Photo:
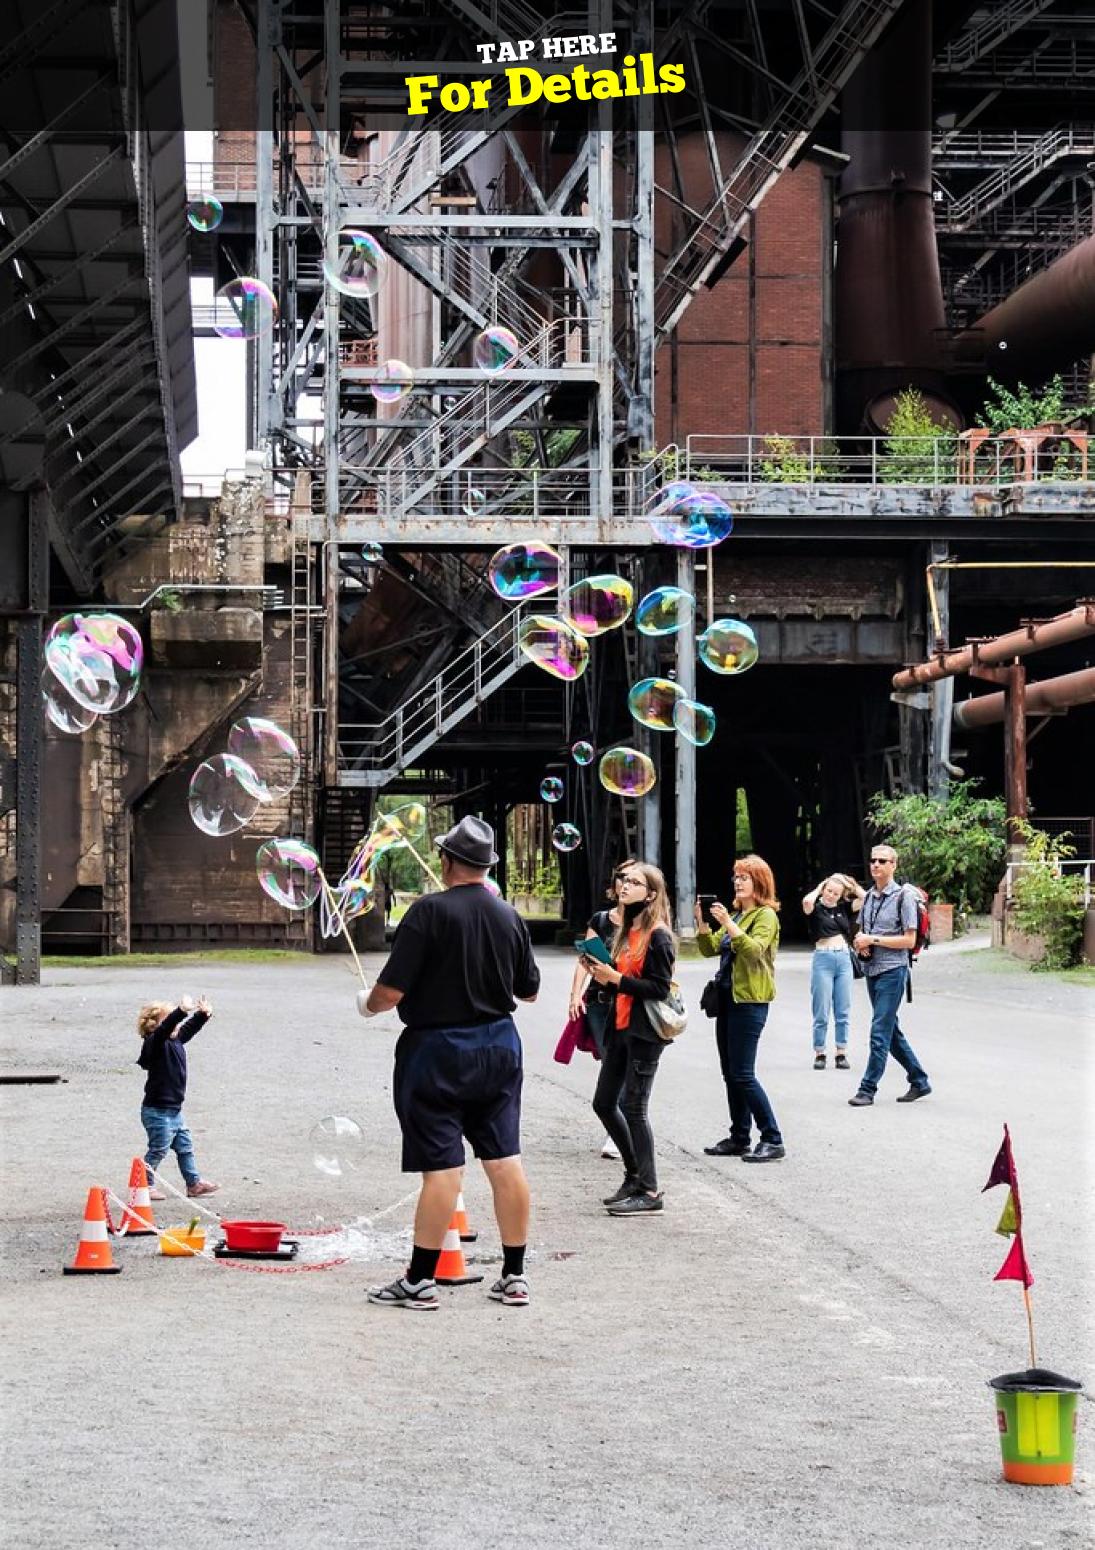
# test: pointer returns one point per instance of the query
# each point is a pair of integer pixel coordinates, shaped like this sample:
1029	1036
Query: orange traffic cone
460	1222
451	1267
137	1218
93	1256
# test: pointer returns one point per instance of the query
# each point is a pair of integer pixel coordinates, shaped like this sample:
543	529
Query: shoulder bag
668	1018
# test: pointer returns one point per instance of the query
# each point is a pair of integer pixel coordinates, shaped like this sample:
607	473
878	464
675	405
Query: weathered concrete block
214	640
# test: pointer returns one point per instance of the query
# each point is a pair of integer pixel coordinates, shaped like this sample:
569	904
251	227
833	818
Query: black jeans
629	1067
738	1028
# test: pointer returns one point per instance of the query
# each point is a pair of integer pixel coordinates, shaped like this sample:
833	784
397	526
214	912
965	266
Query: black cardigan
653	986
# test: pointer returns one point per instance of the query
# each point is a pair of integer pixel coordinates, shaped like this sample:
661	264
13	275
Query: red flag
1015	1267
1003	1172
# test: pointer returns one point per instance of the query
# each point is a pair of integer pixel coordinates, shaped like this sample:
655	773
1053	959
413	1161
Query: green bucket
1036	1417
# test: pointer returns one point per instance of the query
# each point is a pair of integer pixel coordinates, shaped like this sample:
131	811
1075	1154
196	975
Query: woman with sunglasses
643	951
597	1002
746	942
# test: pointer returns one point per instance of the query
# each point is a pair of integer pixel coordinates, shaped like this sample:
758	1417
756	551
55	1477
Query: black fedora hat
470	841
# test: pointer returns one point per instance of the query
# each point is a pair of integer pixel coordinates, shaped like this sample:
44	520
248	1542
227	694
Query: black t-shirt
460	957
836	920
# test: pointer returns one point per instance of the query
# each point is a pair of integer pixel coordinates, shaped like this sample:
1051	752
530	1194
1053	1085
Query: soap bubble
338	1147
492	887
551	788
652	701
117	637
393	381
583	752
689	518
205	212
727	646
358	267
65	712
495	349
372	553
565	837
474	501
244	309
626	772
598	603
224	795
664	610
270	752
356	898
554	645
694	721
289	872
523	570
85	672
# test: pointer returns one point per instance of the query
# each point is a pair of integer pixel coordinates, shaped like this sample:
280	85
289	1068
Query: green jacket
753	954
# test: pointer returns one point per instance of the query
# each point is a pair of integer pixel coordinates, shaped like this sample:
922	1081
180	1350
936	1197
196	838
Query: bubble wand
336	913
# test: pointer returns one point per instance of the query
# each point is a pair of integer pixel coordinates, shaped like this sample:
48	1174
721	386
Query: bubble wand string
332	905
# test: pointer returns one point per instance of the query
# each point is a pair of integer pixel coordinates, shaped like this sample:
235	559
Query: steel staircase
986	28
793	116
1005	181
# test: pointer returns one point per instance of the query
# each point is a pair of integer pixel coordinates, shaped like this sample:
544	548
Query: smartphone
705	901
593	947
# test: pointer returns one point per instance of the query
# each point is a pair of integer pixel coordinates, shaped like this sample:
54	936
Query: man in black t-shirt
460	962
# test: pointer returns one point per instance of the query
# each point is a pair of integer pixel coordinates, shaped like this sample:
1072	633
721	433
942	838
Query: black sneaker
628	1188
819	1060
727	1148
638	1205
914	1093
401	1294
841	1061
860	1101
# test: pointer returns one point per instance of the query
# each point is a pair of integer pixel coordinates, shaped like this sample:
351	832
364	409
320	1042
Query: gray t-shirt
889	913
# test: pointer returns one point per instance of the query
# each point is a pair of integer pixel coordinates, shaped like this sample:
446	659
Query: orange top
631	960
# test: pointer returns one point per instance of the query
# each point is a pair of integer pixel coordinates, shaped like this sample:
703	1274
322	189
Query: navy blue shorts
456	1082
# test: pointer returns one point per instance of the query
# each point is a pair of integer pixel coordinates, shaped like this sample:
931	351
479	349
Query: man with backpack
886	939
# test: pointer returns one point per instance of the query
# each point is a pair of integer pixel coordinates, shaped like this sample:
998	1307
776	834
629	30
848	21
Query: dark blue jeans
166	1132
885	991
738	1028
621	1101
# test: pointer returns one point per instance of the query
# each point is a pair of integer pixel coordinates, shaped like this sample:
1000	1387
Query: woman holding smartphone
746	940
597	1001
643	952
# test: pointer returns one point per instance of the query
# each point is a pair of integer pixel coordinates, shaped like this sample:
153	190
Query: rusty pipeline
1037	635
1042	699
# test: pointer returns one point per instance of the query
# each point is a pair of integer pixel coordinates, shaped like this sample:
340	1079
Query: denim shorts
452	1083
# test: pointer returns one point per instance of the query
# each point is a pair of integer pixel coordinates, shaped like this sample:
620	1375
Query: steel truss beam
62	202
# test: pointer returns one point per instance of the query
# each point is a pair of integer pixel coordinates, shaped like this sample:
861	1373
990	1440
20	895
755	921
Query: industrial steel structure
669	275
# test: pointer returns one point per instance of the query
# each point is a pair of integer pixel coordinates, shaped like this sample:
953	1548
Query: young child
165	1032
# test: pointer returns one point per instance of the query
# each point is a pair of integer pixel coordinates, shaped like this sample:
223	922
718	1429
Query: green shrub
1025	408
919	449
952	847
1046	902
789	461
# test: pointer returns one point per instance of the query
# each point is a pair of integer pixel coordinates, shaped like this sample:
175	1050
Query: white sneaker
401	1294
512	1290
610	1150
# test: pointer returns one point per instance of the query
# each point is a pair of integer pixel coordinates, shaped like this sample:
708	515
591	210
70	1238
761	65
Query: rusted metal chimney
888	296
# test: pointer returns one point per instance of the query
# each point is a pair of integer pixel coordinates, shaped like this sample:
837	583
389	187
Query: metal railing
381	749
872	460
986	29
1004	181
1074	867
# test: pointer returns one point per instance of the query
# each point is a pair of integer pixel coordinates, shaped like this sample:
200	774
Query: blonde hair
764	884
151	1016
654	913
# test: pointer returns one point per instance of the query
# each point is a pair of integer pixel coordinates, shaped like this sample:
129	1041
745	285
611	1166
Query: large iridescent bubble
663	611
204	212
727	646
694	721
495	349
598	603
85	672
582	752
65	712
689	517
553	644
626	772
524	570
270	752
289	872
357	269
566	837
224	795
652	700
393	381
244	309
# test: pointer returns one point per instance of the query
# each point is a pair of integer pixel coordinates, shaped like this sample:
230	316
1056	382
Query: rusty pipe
1052	694
1042	327
1077	623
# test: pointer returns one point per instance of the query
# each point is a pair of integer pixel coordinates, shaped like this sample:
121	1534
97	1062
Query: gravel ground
789	1356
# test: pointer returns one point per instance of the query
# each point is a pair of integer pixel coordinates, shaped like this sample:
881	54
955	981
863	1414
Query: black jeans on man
738	1028
628	1068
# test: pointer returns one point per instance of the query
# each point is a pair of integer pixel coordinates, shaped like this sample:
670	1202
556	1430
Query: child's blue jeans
166	1132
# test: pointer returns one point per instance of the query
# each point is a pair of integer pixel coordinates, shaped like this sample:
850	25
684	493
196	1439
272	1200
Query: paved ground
791	1356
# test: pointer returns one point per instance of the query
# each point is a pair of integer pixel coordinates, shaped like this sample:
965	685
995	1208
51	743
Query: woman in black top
643	952
597	1002
831	911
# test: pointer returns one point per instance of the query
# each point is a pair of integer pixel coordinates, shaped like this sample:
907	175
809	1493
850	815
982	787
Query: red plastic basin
254	1237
